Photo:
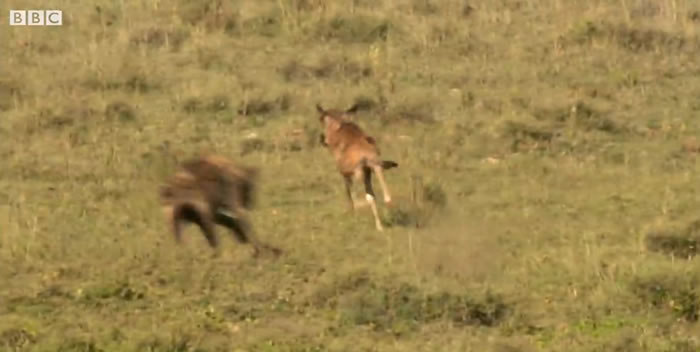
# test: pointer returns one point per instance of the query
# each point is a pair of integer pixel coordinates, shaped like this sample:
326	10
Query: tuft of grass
262	106
16	339
326	68
121	111
683	244
79	345
121	291
365	103
267	25
155	38
252	144
215	103
400	308
213	15
583	117
354	29
105	16
634	39
425	7
672	293
218	103
174	344
416	111
10	94
428	202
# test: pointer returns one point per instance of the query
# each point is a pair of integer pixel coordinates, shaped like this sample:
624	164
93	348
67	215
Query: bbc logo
36	18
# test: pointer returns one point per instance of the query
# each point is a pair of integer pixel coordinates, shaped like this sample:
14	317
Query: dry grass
545	198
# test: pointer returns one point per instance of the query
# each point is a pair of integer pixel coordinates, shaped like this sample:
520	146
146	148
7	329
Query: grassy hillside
545	198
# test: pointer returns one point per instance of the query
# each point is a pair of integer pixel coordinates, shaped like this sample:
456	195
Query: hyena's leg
204	218
172	214
240	227
234	225
233	215
369	194
380	175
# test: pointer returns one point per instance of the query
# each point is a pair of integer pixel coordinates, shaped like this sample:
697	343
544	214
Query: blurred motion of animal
212	190
356	155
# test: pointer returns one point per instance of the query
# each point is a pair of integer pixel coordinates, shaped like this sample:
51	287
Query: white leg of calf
380	175
377	222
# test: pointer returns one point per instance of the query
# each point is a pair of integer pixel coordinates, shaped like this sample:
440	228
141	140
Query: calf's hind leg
380	175
369	194
347	179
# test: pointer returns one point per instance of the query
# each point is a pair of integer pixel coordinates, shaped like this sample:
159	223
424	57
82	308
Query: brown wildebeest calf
356	155
204	190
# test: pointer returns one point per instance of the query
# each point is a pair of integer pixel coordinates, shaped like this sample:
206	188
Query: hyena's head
248	190
166	193
244	180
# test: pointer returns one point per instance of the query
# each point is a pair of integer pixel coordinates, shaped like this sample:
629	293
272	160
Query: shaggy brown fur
356	155
204	190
